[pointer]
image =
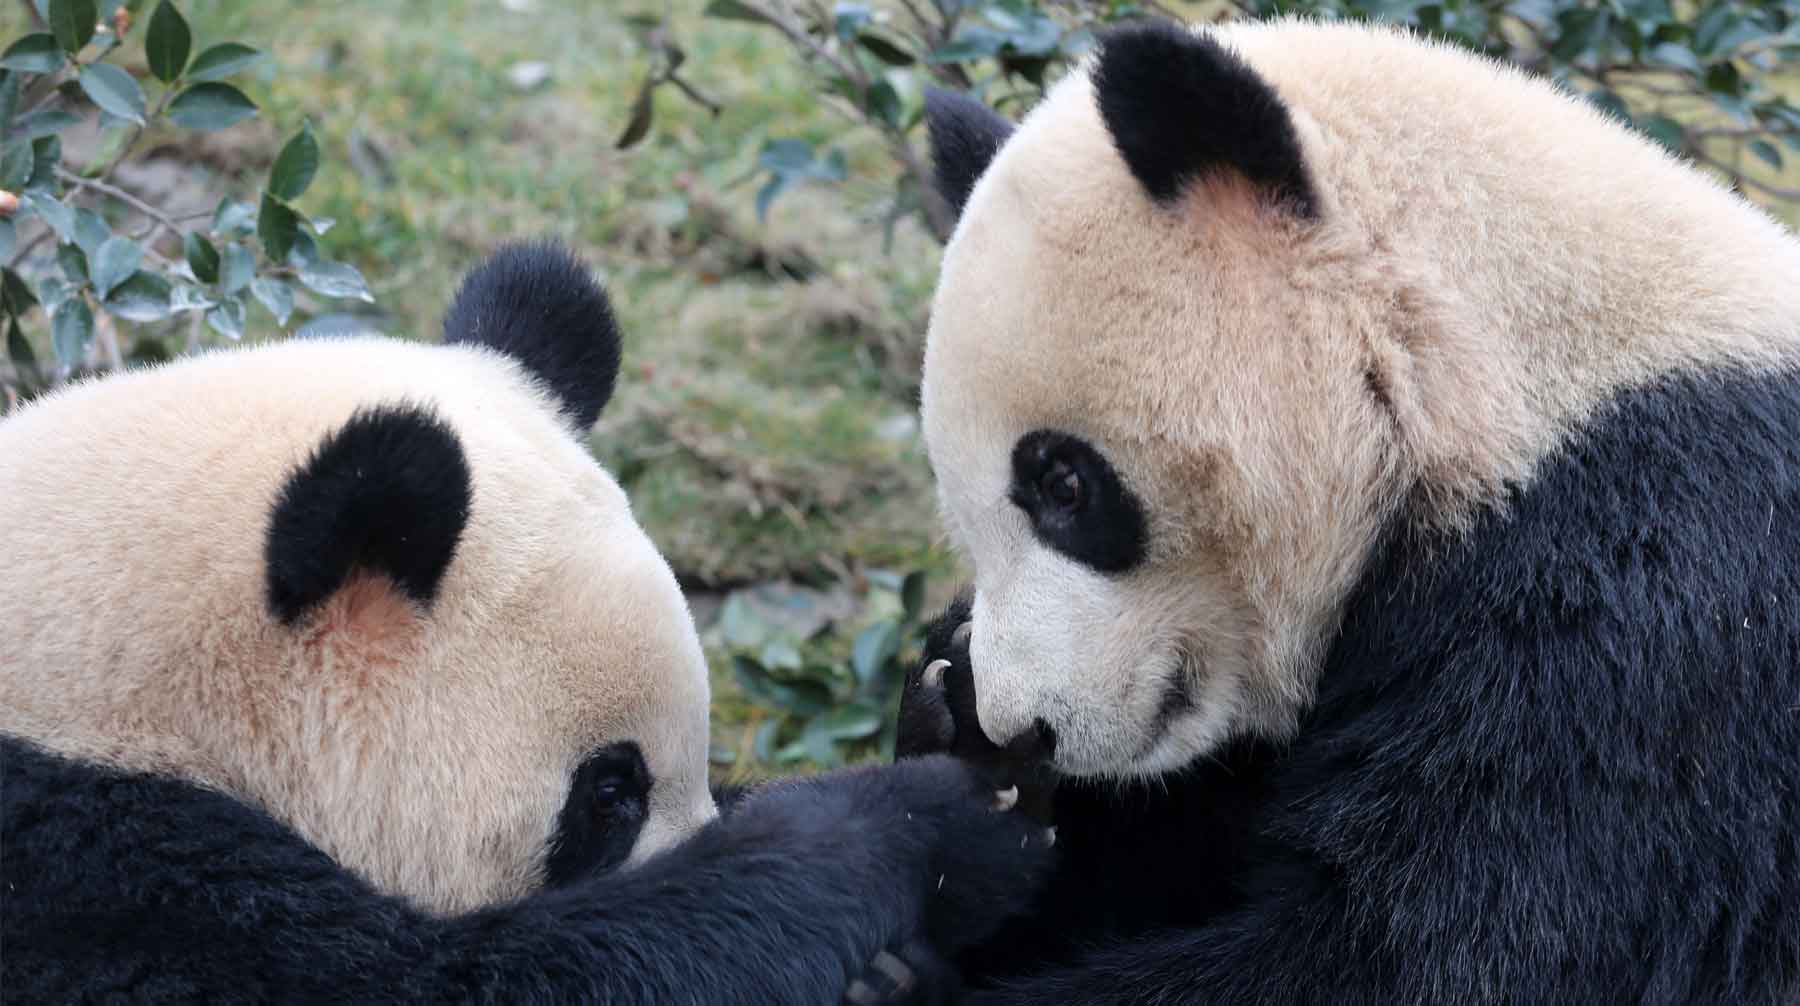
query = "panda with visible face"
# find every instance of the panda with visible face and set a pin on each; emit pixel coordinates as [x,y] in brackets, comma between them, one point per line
[337,670]
[1381,476]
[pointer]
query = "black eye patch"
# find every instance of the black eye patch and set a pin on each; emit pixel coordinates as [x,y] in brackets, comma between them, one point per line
[1076,502]
[607,805]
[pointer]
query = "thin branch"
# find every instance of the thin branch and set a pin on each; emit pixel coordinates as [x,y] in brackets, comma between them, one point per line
[79,182]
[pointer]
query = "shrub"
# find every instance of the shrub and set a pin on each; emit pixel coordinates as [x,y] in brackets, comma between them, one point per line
[1697,77]
[108,295]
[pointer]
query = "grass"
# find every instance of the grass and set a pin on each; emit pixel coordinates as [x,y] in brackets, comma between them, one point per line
[764,424]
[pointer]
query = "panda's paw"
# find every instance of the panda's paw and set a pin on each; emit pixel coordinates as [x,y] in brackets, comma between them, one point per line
[937,715]
[937,702]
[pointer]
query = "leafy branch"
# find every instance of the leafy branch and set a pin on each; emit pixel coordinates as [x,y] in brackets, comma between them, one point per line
[166,276]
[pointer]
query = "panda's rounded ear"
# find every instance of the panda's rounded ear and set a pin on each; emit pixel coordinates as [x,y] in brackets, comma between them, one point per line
[538,303]
[387,494]
[1180,106]
[965,135]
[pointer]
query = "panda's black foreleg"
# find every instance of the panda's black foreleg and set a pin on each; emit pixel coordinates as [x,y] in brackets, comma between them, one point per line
[130,888]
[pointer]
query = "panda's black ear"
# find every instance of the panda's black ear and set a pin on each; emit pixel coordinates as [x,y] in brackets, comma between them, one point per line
[965,135]
[537,303]
[1180,106]
[387,493]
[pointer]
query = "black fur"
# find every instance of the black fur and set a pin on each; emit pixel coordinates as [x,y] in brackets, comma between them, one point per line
[389,492]
[608,802]
[538,303]
[1106,529]
[965,135]
[1179,105]
[1554,761]
[138,889]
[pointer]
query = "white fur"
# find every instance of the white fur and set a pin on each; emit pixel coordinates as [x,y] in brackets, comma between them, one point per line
[429,751]
[1499,254]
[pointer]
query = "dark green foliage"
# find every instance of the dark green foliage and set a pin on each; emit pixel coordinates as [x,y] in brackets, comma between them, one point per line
[1695,76]
[70,278]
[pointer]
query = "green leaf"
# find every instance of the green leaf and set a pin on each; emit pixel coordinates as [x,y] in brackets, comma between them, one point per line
[335,279]
[46,154]
[781,655]
[817,745]
[802,698]
[15,293]
[295,166]
[42,123]
[114,90]
[233,218]
[971,42]
[848,18]
[202,257]
[142,297]
[72,331]
[851,722]
[1676,55]
[19,350]
[90,231]
[72,22]
[274,295]
[222,61]
[885,51]
[189,298]
[237,268]
[210,106]
[33,54]
[731,10]
[53,212]
[277,226]
[227,318]
[912,594]
[168,43]
[9,98]
[1767,151]
[305,251]
[9,236]
[874,647]
[1664,130]
[117,260]
[884,103]
[643,109]
[73,261]
[15,165]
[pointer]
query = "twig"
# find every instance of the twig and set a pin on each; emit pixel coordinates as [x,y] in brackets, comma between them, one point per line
[121,195]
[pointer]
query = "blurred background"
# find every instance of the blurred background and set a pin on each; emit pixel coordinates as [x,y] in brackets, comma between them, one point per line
[745,175]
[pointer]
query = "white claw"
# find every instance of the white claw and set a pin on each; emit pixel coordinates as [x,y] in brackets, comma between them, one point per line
[1007,798]
[933,675]
[940,881]
[1050,835]
[861,993]
[961,636]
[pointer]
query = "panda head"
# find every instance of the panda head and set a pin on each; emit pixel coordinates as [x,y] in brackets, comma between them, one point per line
[380,588]
[1229,302]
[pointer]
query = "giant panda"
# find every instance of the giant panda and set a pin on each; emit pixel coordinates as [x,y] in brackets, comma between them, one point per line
[337,670]
[1380,473]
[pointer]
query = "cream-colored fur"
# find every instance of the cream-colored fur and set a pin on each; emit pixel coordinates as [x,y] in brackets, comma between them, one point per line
[1494,255]
[429,751]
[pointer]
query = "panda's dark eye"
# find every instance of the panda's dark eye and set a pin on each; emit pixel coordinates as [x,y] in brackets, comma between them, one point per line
[1076,502]
[607,805]
[1060,486]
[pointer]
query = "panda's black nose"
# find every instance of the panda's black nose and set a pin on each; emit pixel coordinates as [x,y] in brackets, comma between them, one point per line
[1037,744]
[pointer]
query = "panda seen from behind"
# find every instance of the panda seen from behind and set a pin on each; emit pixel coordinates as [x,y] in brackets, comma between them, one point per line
[1381,476]
[337,670]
